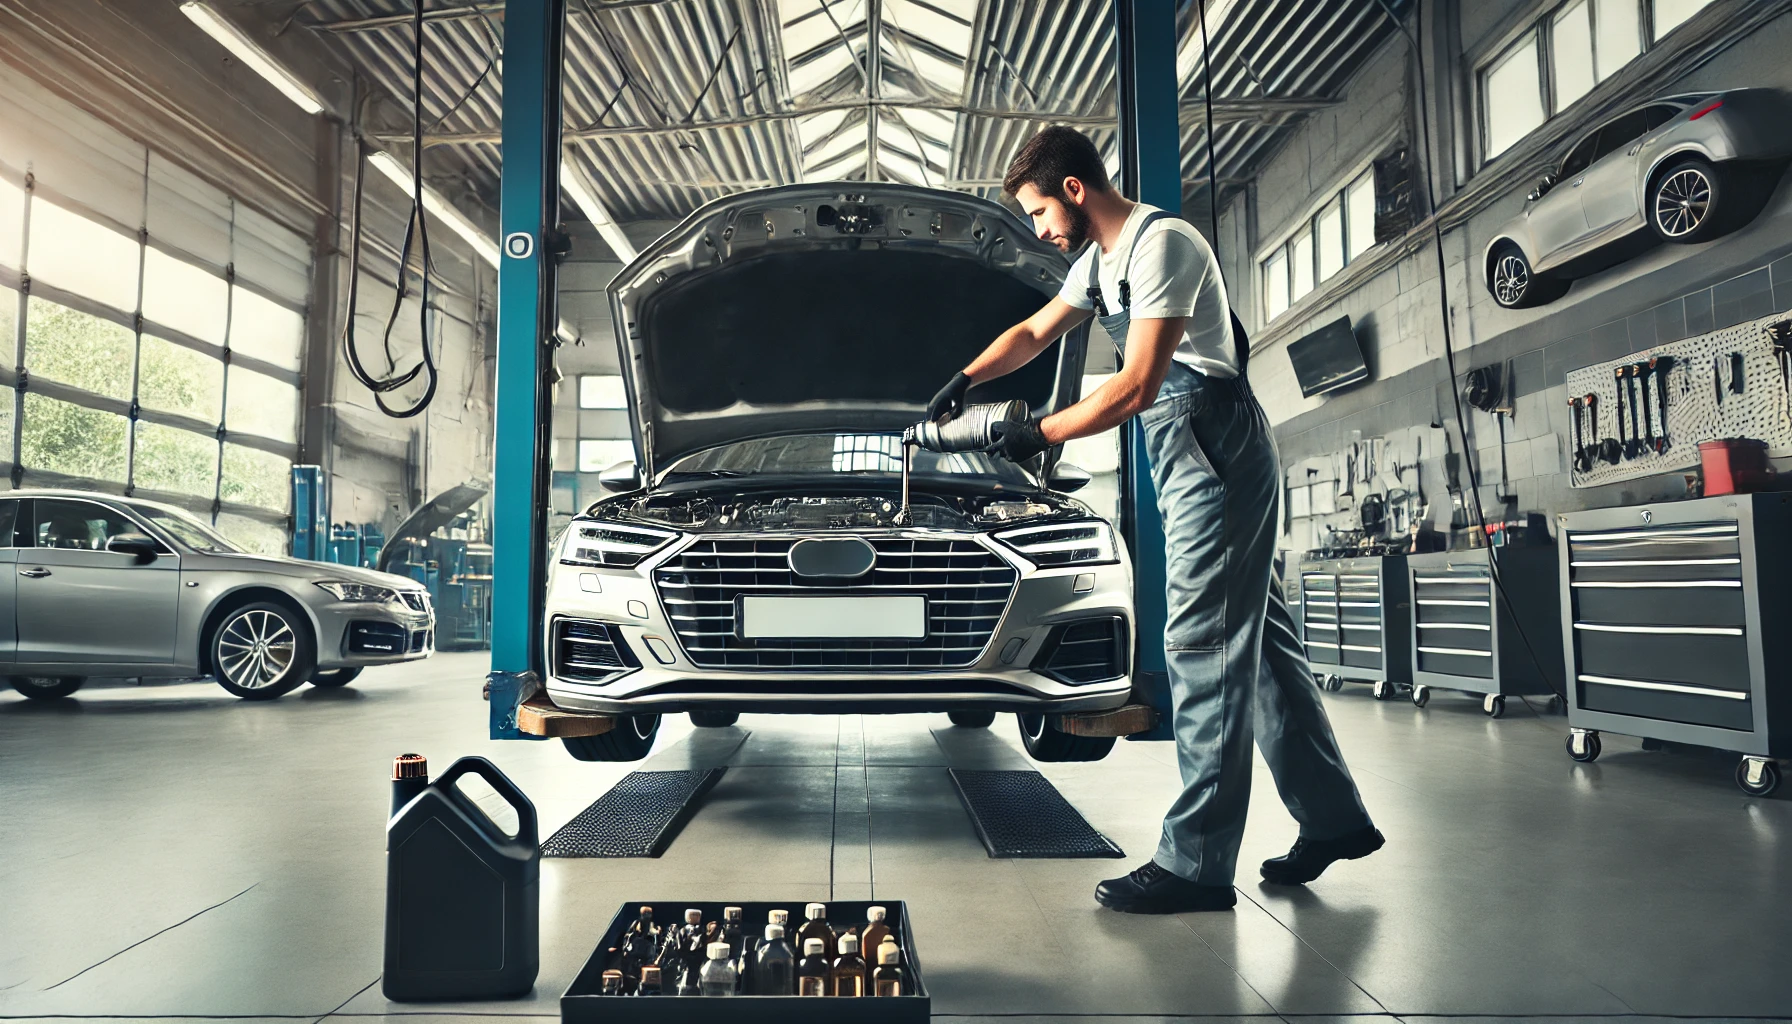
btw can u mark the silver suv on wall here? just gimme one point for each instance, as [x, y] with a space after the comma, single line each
[1684, 169]
[99, 585]
[774, 346]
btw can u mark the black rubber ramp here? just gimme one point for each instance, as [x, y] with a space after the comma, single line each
[638, 817]
[1020, 814]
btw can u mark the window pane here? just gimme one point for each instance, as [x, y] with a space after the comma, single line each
[12, 223]
[171, 459]
[255, 535]
[1620, 29]
[259, 404]
[77, 349]
[1275, 285]
[255, 477]
[602, 391]
[1359, 212]
[1300, 255]
[174, 378]
[1331, 240]
[77, 255]
[265, 329]
[1513, 97]
[76, 525]
[9, 323]
[69, 439]
[179, 295]
[6, 408]
[1671, 14]
[597, 456]
[1571, 53]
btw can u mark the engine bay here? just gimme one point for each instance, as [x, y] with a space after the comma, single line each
[749, 512]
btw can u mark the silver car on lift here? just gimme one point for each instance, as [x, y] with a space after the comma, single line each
[99, 585]
[758, 558]
[1681, 168]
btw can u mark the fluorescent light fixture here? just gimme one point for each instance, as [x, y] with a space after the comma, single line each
[438, 207]
[595, 212]
[250, 52]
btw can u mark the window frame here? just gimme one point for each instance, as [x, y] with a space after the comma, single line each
[1336, 199]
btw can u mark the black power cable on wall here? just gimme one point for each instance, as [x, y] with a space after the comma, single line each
[416, 234]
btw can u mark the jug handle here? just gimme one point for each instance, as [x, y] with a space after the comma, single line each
[525, 811]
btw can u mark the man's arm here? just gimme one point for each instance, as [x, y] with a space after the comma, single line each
[1150, 344]
[1019, 344]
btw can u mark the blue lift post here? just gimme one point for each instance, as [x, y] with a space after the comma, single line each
[1150, 172]
[528, 213]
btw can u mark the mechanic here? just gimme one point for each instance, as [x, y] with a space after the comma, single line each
[1215, 467]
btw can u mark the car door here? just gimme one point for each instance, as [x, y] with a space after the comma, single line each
[1609, 195]
[79, 603]
[9, 581]
[1556, 219]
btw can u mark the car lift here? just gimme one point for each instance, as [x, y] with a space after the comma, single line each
[529, 220]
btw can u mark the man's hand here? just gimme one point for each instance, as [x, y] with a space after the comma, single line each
[950, 400]
[1021, 440]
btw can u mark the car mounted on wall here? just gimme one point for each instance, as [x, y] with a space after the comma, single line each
[99, 585]
[1683, 168]
[774, 346]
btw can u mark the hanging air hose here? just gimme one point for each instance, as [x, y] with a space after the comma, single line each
[416, 238]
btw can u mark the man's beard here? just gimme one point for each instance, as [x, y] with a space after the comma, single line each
[1078, 235]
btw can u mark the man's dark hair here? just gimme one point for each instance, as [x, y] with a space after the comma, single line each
[1051, 156]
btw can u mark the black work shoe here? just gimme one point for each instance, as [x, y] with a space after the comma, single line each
[1310, 857]
[1154, 890]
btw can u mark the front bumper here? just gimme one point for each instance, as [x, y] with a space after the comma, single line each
[357, 635]
[1007, 675]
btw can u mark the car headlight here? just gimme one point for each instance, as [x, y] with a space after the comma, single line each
[1081, 542]
[360, 593]
[612, 545]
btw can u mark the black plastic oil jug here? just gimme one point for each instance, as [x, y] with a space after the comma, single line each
[462, 898]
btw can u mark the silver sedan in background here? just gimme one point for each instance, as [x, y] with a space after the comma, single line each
[99, 585]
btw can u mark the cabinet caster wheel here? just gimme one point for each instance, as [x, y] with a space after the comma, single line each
[1758, 776]
[1384, 690]
[1335, 683]
[1421, 695]
[1555, 706]
[1583, 746]
[1494, 705]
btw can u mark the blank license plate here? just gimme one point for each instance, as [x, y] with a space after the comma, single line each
[816, 618]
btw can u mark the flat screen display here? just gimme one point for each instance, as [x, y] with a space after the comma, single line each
[1328, 359]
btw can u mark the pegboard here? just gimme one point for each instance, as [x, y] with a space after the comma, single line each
[1701, 367]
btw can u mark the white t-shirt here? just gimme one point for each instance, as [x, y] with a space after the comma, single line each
[1173, 273]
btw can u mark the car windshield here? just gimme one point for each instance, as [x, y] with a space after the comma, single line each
[833, 454]
[187, 530]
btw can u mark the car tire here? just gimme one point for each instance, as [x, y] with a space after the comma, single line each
[630, 740]
[46, 687]
[1514, 285]
[714, 719]
[332, 679]
[1693, 200]
[280, 631]
[972, 719]
[1044, 741]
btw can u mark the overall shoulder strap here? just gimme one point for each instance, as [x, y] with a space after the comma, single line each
[1101, 306]
[1126, 271]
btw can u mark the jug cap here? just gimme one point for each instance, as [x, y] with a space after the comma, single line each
[876, 914]
[889, 953]
[774, 931]
[650, 971]
[849, 943]
[813, 947]
[719, 951]
[816, 911]
[778, 917]
[731, 913]
[410, 766]
[693, 915]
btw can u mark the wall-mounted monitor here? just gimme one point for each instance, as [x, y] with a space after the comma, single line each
[1328, 359]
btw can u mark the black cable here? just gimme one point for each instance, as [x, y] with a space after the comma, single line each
[416, 231]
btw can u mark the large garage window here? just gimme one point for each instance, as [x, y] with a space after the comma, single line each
[1325, 242]
[1562, 56]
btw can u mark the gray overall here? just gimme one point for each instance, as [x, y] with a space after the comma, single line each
[1217, 476]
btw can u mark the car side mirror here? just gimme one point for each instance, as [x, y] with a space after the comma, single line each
[1066, 478]
[137, 545]
[621, 478]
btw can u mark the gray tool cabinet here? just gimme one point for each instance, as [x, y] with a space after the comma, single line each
[1465, 638]
[1675, 618]
[1356, 618]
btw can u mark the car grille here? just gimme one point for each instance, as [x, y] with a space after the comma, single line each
[967, 587]
[590, 652]
[415, 600]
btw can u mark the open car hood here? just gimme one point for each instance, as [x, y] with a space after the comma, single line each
[837, 307]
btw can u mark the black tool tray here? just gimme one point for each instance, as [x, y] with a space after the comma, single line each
[584, 1003]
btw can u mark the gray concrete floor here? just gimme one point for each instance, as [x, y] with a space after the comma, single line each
[168, 851]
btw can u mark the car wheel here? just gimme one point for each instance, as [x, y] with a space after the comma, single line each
[1044, 741]
[630, 740]
[1694, 201]
[1514, 285]
[714, 719]
[46, 687]
[262, 651]
[331, 680]
[972, 719]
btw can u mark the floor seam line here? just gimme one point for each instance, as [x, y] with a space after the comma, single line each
[1322, 957]
[350, 999]
[147, 938]
[1229, 966]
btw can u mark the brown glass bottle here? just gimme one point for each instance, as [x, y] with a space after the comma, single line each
[847, 976]
[889, 979]
[817, 927]
[874, 933]
[812, 969]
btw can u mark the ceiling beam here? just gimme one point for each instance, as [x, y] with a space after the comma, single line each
[1260, 109]
[462, 13]
[874, 80]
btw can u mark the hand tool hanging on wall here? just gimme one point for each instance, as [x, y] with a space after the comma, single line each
[1781, 333]
[1717, 379]
[1618, 409]
[1580, 440]
[1634, 446]
[1737, 380]
[1661, 365]
[1642, 372]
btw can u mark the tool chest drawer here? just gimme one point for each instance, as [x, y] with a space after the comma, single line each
[1356, 617]
[1452, 608]
[1467, 637]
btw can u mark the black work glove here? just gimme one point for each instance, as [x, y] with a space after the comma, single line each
[950, 400]
[1020, 440]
